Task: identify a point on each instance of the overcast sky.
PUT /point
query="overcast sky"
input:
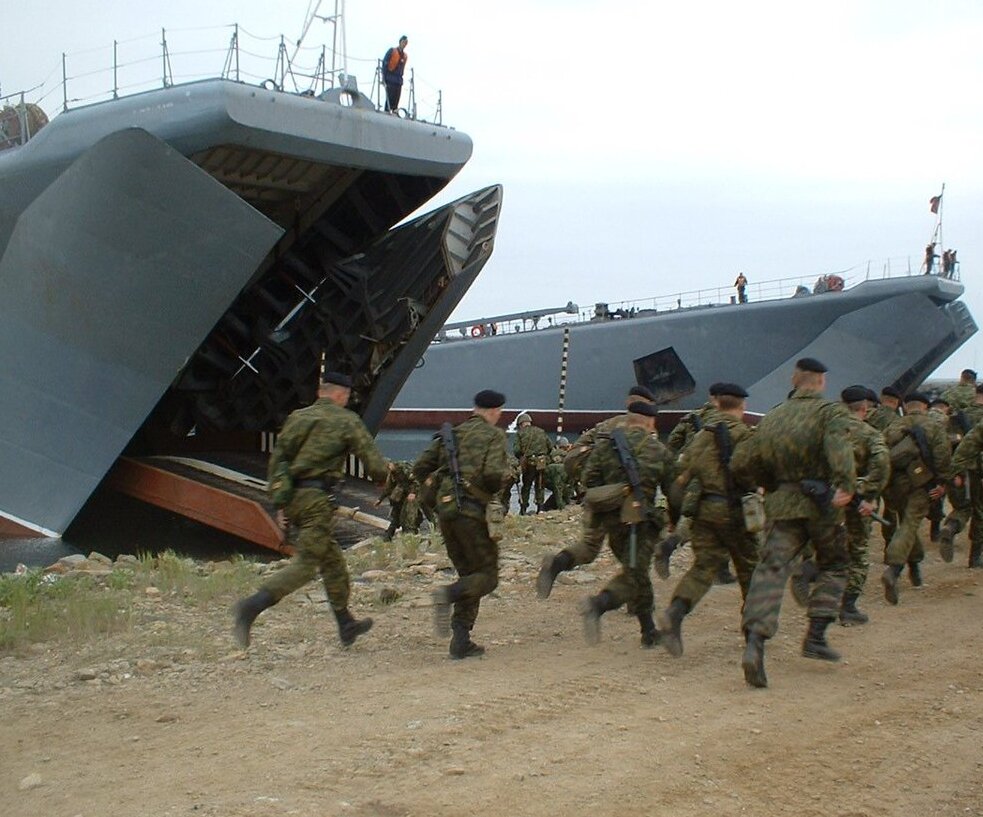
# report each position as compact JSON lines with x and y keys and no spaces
{"x":645,"y":148}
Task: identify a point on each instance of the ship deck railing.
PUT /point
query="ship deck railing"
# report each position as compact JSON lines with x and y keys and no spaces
{"x":828,"y":283}
{"x":127,"y":67}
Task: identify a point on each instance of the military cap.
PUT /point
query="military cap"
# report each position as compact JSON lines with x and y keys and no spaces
{"x":890,"y":391}
{"x":562,"y":441}
{"x":336,"y":379}
{"x":714,"y":389}
{"x":487,"y":398}
{"x":918,"y":397}
{"x":646,"y":409}
{"x":523,"y":418}
{"x":969,"y":373}
{"x":872,"y":396}
{"x":641,"y":391}
{"x":810,"y":364}
{"x":854,"y":394}
{"x":729,"y":390}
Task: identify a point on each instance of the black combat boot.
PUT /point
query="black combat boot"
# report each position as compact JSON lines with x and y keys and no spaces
{"x":540,"y":507}
{"x":889,"y":578}
{"x":753,"y":660}
{"x":815,"y":645}
{"x":724,"y":576}
{"x":245,"y":614}
{"x":592,"y":608}
{"x":947,"y":534}
{"x":350,"y":628}
{"x":461,"y":644}
{"x":523,"y":509}
{"x":915,"y":574}
{"x":849,"y":614}
{"x":663,"y":550}
{"x":389,"y":534}
{"x":802,"y":581}
{"x":552,"y":567}
{"x":650,"y":633}
{"x":976,"y":554}
{"x":671,"y":622}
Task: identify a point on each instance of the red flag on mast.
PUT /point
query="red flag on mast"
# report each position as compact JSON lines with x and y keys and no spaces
{"x":934,"y":202}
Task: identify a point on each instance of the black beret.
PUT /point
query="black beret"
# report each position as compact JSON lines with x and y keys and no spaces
{"x":918,"y":397}
{"x":647,"y":409}
{"x":729,"y":389}
{"x":810,"y":364}
{"x":890,"y":391}
{"x":969,"y":373}
{"x":872,"y":396}
{"x":641,"y":391}
{"x":489,"y":399}
{"x":854,"y":394}
{"x":336,"y":379}
{"x":939,"y":401}
{"x":714,"y":389}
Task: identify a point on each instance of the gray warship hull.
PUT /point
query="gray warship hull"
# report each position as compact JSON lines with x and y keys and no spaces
{"x":878,"y":332}
{"x":175,"y":265}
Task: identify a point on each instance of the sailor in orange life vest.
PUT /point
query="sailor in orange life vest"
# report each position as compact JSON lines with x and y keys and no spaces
{"x":393,"y":65}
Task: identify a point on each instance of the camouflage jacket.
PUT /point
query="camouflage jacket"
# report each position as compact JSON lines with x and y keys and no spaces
{"x":872,"y":458}
{"x":532,"y":441}
{"x":880,"y":417}
{"x":687,"y":428}
{"x":935,"y":434}
{"x":400,"y":482}
{"x":317,"y":440}
{"x":806,"y":437}
{"x":482,"y":456}
{"x":960,"y":397}
{"x":653,"y":458}
{"x":967,"y":456}
{"x":701,"y":458}
{"x":961,"y":422}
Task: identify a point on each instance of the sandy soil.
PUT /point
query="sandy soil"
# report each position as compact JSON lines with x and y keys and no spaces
{"x":541,"y":725}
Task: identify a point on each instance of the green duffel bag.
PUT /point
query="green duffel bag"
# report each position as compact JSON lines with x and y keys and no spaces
{"x":602,"y":498}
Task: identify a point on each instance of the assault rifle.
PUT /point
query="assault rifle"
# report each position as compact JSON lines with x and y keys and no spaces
{"x":630,"y":466}
{"x":725,"y":450}
{"x":821,"y":493}
{"x":450,"y":446}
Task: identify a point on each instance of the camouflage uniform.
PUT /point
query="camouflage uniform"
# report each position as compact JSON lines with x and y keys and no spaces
{"x":960,"y":397}
{"x":316,"y":442}
{"x":873,"y":462}
{"x":806,"y":437}
{"x":966,"y":460}
{"x":718,"y":524}
{"x":689,"y":426}
{"x":556,"y":479}
{"x":880,"y":417}
{"x":483,"y":462}
{"x":966,"y":500}
{"x":511,"y":478}
{"x":532,"y":447}
{"x":404,"y":512}
{"x":912,"y":503}
{"x":633,"y":585}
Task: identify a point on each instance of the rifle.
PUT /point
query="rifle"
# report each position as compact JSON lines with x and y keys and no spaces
{"x":925,"y":451}
{"x":725,"y":450}
{"x":630,"y":467}
{"x":450,"y":446}
{"x":821,"y":492}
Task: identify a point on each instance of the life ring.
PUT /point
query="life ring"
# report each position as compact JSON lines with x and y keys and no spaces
{"x":477,"y":331}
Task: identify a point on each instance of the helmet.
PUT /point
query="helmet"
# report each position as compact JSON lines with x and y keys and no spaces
{"x":523,"y":418}
{"x":563,"y":441}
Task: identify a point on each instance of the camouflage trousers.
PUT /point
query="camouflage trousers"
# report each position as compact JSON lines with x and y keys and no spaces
{"x":475,"y":558}
{"x":905,"y":545}
{"x":405,"y":514}
{"x":532,"y":478}
{"x":858,"y":557}
{"x":592,"y":534}
{"x":717,"y":537}
{"x":311,"y":513}
{"x":633,"y":585}
{"x":785,"y":540}
{"x":967,"y":511}
{"x":558,"y":485}
{"x":505,"y":495}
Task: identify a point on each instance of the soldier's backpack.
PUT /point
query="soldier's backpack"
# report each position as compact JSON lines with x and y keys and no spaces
{"x":911,"y":456}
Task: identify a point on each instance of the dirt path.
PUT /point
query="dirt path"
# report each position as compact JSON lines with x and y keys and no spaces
{"x":541,"y":725}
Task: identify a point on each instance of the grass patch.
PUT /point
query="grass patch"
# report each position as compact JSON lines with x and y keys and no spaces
{"x":403,"y":550}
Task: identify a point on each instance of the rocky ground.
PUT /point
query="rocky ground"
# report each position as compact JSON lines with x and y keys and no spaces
{"x":165,"y":716}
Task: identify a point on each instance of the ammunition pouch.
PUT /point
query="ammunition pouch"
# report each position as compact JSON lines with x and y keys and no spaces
{"x":919,"y":474}
{"x":632,"y":512}
{"x":495,"y":519}
{"x":753,"y":511}
{"x":605,"y":498}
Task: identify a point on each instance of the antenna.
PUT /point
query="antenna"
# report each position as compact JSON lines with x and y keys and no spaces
{"x":337,"y":19}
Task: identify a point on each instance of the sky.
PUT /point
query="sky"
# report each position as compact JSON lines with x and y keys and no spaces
{"x":645,"y":148}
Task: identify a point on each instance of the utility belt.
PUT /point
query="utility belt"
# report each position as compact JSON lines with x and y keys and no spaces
{"x":326,"y":485}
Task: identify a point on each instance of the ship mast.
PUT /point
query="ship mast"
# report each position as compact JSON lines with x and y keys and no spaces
{"x":337,"y":20}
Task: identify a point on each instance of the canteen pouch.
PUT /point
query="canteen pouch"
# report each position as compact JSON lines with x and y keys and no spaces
{"x":281,"y":486}
{"x":602,"y":498}
{"x":753,"y":510}
{"x":632,"y":513}
{"x":495,"y":519}
{"x":918,"y":473}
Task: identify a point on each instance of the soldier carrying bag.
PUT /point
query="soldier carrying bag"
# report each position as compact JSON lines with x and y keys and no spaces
{"x":494,"y":510}
{"x":912,"y":456}
{"x":635,"y":508}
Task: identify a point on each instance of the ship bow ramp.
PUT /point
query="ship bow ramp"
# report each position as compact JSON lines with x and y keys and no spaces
{"x":111,"y":279}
